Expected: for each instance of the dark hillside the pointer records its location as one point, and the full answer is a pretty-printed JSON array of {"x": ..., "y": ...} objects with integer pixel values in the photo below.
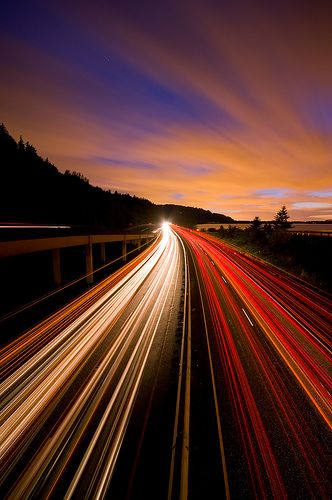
[
  {"x": 32, "y": 190},
  {"x": 189, "y": 216}
]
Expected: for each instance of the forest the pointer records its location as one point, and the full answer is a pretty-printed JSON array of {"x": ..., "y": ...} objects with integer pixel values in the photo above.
[{"x": 33, "y": 190}]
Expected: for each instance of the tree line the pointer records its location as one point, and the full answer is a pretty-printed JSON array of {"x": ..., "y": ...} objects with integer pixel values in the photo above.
[
  {"x": 280, "y": 222},
  {"x": 307, "y": 256},
  {"x": 33, "y": 190}
]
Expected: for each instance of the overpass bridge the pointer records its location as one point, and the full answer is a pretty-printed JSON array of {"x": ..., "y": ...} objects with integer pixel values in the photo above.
[{"x": 55, "y": 244}]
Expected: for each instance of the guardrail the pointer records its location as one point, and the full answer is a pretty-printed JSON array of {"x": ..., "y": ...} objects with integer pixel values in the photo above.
[
  {"x": 325, "y": 232},
  {"x": 20, "y": 247}
]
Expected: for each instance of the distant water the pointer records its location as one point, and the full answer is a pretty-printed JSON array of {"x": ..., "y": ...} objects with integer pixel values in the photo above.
[
  {"x": 200, "y": 227},
  {"x": 312, "y": 227},
  {"x": 295, "y": 226}
]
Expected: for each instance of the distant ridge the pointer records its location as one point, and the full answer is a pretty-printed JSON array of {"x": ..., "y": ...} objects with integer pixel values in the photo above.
[
  {"x": 32, "y": 190},
  {"x": 189, "y": 216}
]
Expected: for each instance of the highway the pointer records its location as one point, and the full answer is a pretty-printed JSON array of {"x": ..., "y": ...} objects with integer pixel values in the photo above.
[
  {"x": 69, "y": 386},
  {"x": 268, "y": 337},
  {"x": 194, "y": 371}
]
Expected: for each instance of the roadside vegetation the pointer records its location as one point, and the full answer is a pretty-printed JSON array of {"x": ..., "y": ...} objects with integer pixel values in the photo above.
[{"x": 308, "y": 257}]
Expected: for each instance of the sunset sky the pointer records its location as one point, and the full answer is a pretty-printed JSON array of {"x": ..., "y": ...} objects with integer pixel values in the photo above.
[{"x": 224, "y": 105}]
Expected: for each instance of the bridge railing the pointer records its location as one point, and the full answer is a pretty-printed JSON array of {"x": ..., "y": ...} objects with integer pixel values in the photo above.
[{"x": 55, "y": 244}]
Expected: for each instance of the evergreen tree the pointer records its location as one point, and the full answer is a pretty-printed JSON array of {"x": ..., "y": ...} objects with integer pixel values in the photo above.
[
  {"x": 268, "y": 228},
  {"x": 21, "y": 145},
  {"x": 256, "y": 224},
  {"x": 281, "y": 219}
]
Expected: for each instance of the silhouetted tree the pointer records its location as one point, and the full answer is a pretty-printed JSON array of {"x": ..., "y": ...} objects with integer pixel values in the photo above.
[
  {"x": 256, "y": 224},
  {"x": 21, "y": 145},
  {"x": 232, "y": 231},
  {"x": 281, "y": 219},
  {"x": 268, "y": 228}
]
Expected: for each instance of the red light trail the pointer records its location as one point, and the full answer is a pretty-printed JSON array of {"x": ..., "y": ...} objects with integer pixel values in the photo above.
[
  {"x": 271, "y": 338},
  {"x": 245, "y": 363}
]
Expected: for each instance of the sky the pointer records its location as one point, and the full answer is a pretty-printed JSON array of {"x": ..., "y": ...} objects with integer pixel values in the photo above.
[{"x": 223, "y": 105}]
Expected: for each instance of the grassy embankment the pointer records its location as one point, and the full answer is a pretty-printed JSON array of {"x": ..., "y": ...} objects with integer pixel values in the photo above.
[{"x": 308, "y": 257}]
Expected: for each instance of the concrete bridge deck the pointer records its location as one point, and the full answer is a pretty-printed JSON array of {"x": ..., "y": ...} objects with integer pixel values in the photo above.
[{"x": 55, "y": 244}]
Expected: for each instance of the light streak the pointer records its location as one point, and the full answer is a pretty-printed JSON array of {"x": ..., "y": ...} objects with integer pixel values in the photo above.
[
  {"x": 245, "y": 312},
  {"x": 68, "y": 386},
  {"x": 292, "y": 323},
  {"x": 81, "y": 370},
  {"x": 181, "y": 433}
]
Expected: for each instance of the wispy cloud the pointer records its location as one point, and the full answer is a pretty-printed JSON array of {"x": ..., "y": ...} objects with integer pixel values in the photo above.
[
  {"x": 123, "y": 162},
  {"x": 170, "y": 102},
  {"x": 311, "y": 204},
  {"x": 321, "y": 194},
  {"x": 177, "y": 196},
  {"x": 271, "y": 193}
]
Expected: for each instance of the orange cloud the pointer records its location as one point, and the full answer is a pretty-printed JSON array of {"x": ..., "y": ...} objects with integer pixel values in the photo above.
[{"x": 217, "y": 105}]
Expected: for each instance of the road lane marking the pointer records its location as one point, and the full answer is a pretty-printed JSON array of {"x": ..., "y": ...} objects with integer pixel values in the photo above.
[
  {"x": 217, "y": 410},
  {"x": 179, "y": 487},
  {"x": 247, "y": 317}
]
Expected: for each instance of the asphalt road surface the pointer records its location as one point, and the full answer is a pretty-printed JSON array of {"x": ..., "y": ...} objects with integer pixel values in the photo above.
[
  {"x": 269, "y": 341},
  {"x": 193, "y": 372}
]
